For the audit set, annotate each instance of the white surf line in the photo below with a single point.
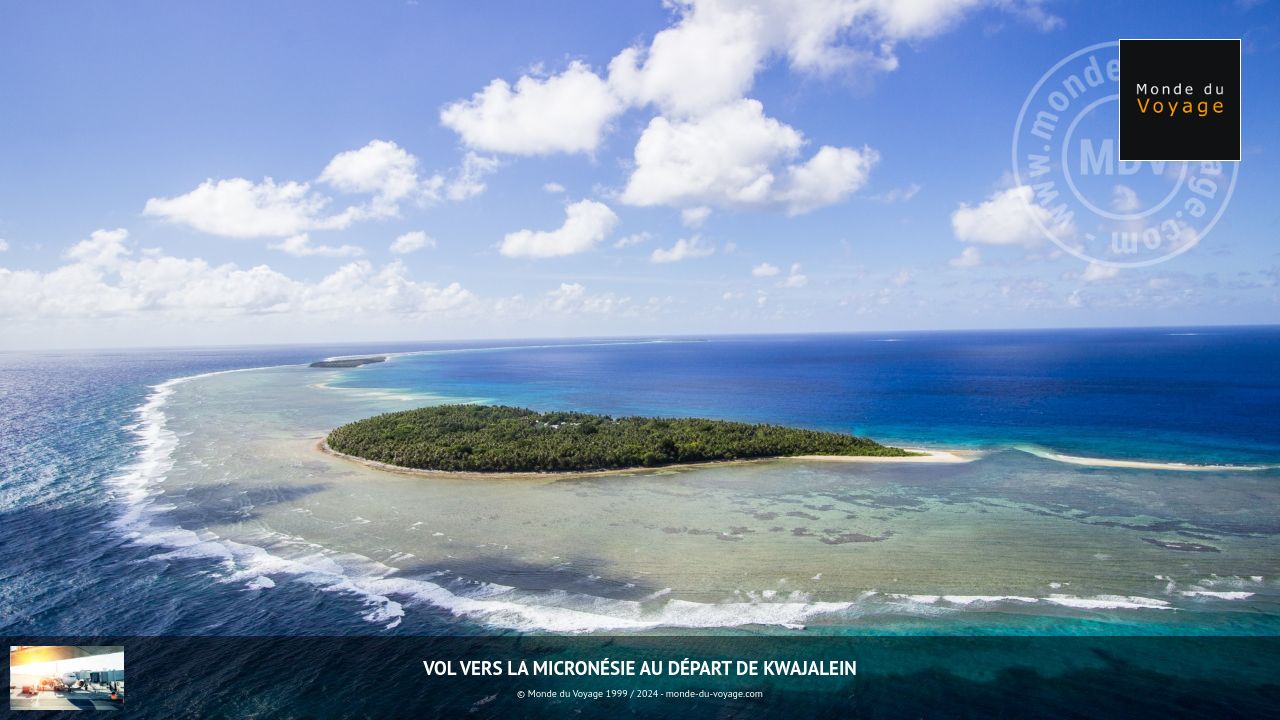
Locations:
(1219, 594)
(1076, 602)
(1134, 464)
(135, 480)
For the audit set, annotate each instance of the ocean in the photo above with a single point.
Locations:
(154, 492)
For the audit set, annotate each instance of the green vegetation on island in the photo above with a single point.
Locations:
(347, 362)
(495, 438)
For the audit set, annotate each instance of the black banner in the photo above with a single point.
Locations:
(718, 676)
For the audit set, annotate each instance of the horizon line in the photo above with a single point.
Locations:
(674, 336)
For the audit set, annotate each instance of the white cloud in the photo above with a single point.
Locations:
(632, 239)
(553, 187)
(381, 168)
(358, 288)
(1007, 217)
(103, 248)
(563, 113)
(712, 53)
(411, 242)
(4, 245)
(732, 157)
(1033, 12)
(574, 298)
(830, 176)
(105, 278)
(694, 217)
(921, 18)
(708, 58)
(794, 279)
(722, 158)
(1124, 199)
(765, 270)
(969, 257)
(1097, 271)
(240, 208)
(586, 223)
(898, 194)
(469, 180)
(684, 249)
(697, 73)
(300, 246)
(713, 146)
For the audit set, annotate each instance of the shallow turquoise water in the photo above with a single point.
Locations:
(1010, 543)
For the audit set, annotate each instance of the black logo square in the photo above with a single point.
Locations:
(1179, 99)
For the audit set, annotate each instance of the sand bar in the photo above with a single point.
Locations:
(1138, 464)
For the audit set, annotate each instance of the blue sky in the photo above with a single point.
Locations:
(571, 169)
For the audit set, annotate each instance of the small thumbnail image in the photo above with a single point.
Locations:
(66, 677)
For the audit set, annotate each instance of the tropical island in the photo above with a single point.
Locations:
(502, 439)
(347, 362)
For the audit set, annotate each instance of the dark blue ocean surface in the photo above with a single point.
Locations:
(1204, 396)
(1201, 396)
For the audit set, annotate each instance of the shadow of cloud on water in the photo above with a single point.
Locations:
(228, 503)
(577, 578)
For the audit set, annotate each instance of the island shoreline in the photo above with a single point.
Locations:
(928, 456)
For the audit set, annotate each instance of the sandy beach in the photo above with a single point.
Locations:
(925, 456)
(1138, 464)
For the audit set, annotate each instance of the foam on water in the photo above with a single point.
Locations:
(1096, 602)
(1218, 594)
(1109, 602)
(261, 582)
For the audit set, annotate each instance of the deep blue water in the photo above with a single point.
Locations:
(64, 420)
(1141, 394)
